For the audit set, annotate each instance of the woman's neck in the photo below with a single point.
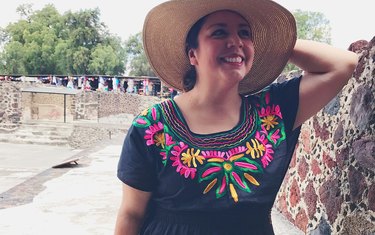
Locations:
(212, 99)
(210, 113)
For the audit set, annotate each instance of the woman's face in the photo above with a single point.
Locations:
(226, 51)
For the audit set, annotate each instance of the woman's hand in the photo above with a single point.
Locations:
(326, 71)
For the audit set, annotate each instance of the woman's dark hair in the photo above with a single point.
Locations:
(190, 76)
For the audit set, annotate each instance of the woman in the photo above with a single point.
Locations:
(211, 160)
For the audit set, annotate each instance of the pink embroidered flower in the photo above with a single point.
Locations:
(213, 154)
(235, 151)
(260, 148)
(270, 110)
(153, 135)
(168, 140)
(177, 153)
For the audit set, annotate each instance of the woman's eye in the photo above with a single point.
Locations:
(245, 33)
(219, 32)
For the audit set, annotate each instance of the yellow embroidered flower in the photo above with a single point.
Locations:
(189, 157)
(269, 121)
(159, 139)
(255, 149)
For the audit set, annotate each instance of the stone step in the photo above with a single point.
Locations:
(40, 136)
(8, 127)
(38, 133)
(44, 141)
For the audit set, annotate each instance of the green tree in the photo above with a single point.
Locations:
(25, 10)
(311, 26)
(104, 60)
(136, 56)
(13, 61)
(46, 42)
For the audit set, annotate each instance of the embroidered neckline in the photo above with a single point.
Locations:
(226, 162)
(178, 126)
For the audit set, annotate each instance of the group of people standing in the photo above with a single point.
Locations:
(102, 83)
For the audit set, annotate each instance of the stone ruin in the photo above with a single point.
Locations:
(330, 185)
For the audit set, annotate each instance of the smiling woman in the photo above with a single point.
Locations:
(211, 160)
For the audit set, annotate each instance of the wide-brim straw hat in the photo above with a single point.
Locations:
(166, 27)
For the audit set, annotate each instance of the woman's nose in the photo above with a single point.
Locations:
(234, 40)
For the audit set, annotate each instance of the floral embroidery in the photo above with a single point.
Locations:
(269, 117)
(183, 169)
(154, 135)
(145, 117)
(269, 121)
(224, 171)
(168, 144)
(260, 148)
(190, 157)
(227, 171)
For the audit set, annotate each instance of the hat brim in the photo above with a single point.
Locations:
(166, 27)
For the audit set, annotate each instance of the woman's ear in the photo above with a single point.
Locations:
(192, 58)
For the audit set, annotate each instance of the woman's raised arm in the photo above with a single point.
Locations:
(326, 70)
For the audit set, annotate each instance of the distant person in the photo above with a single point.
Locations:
(131, 86)
(125, 85)
(70, 83)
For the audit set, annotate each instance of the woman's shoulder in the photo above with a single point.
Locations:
(152, 114)
(276, 92)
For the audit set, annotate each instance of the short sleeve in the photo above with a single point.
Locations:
(286, 94)
(136, 166)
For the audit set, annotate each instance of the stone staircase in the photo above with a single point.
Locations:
(37, 133)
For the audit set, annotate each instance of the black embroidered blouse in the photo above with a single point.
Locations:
(219, 183)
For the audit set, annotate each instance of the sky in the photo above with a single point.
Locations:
(350, 20)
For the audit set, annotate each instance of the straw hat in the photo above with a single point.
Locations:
(167, 25)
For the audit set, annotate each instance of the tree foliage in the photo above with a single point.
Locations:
(46, 42)
(311, 26)
(139, 65)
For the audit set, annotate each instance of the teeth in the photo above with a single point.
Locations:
(233, 60)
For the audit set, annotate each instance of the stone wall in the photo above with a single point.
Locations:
(330, 185)
(94, 115)
(87, 136)
(17, 107)
(10, 103)
(92, 105)
(46, 107)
